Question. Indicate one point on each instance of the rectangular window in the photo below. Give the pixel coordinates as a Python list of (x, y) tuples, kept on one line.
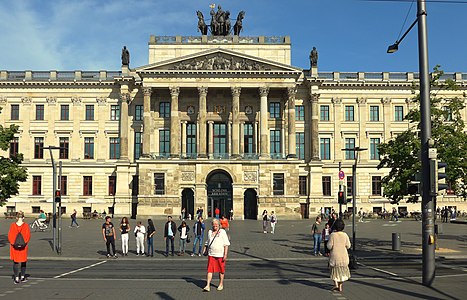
[(374, 143), (376, 185), (191, 140), (248, 138), (39, 112), (349, 113), (326, 180), (87, 185), (39, 148), (36, 185), (139, 109), (278, 184), (325, 148), (164, 110), (164, 142), (300, 145), (64, 112), (299, 113), (374, 113), (89, 112), (324, 113), (159, 183), (89, 148), (138, 144), (114, 148), (447, 114), (274, 110), (64, 147), (64, 185), (14, 112), (398, 113), (220, 139), (349, 186), (14, 147), (112, 185), (349, 144), (36, 209), (115, 112), (275, 144), (302, 185)]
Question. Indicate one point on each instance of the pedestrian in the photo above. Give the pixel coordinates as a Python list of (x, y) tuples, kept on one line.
[(338, 244), (140, 233), (360, 215), (182, 214), (332, 222), (198, 232), (150, 236), (169, 235), (108, 232), (273, 220), (73, 219), (217, 212), (265, 221), (325, 237), (183, 230), (317, 231), (124, 230), (231, 214), (224, 222), (217, 245), (19, 247)]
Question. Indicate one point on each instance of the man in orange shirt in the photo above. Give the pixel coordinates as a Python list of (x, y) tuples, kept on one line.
[(225, 225)]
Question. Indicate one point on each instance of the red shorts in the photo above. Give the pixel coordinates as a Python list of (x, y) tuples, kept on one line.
[(216, 265)]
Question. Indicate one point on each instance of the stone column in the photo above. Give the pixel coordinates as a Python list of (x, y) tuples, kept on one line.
[(125, 99), (184, 145), (338, 116), (263, 92), (147, 122), (386, 118), (362, 138), (235, 152), (203, 92), (314, 126), (242, 134), (174, 123), (211, 138), (291, 91), (255, 138)]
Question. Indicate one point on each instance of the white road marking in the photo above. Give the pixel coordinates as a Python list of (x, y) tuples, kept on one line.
[(380, 270), (80, 269)]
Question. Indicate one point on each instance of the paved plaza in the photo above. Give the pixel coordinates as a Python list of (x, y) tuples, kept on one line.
[(259, 265)]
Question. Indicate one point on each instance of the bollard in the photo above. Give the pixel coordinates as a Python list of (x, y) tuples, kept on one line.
[(438, 228), (396, 241)]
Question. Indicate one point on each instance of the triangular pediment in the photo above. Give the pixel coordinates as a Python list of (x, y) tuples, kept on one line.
[(221, 60)]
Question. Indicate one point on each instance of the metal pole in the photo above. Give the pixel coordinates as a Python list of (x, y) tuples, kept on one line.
[(340, 190), (354, 199), (54, 210), (59, 250), (428, 246)]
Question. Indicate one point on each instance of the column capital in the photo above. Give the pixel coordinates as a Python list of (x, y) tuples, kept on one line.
[(125, 97), (386, 100), (314, 97), (336, 100), (147, 91), (263, 91), (361, 101), (236, 90), (174, 91), (203, 91), (210, 122), (291, 91)]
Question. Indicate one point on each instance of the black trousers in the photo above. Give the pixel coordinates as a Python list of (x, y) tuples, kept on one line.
[(16, 269), (110, 241), (169, 239)]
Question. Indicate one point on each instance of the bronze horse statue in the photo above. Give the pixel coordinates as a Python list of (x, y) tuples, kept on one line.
[(238, 25), (202, 27)]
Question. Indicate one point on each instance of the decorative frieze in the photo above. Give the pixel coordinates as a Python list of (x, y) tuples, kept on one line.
[(386, 100), (101, 101), (219, 62), (51, 100), (188, 176), (26, 100), (361, 101), (248, 110), (336, 101), (3, 100), (249, 176), (76, 100)]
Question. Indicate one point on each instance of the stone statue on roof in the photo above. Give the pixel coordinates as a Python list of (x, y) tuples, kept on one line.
[(125, 56), (314, 57)]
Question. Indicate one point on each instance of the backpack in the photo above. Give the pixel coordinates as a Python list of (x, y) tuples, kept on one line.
[(19, 244)]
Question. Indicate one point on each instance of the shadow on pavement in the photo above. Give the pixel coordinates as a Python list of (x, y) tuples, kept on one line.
[(164, 296), (3, 240)]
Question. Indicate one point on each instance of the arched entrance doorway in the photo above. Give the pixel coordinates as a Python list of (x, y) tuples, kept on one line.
[(188, 202), (219, 193), (250, 204)]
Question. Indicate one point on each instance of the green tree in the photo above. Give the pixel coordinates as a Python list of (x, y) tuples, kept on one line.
[(401, 154), (11, 171)]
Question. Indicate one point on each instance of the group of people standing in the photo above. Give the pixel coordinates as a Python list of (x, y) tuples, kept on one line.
[(336, 244), (269, 221)]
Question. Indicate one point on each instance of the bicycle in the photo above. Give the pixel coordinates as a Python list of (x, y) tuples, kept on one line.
[(36, 225)]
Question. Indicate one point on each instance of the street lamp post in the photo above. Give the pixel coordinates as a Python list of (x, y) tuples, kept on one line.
[(54, 186), (428, 217), (355, 150)]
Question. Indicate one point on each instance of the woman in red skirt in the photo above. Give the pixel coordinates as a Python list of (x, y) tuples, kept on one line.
[(218, 247)]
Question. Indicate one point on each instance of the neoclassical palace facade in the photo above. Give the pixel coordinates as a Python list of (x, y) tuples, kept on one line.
[(211, 121)]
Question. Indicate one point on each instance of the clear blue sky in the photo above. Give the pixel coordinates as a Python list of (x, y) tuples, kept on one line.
[(350, 35)]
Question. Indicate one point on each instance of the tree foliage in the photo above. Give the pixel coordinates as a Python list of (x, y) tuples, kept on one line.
[(11, 171), (402, 154)]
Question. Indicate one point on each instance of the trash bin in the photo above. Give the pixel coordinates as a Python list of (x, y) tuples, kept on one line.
[(396, 241), (438, 228)]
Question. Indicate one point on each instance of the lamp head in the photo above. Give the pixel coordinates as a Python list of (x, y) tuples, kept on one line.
[(393, 48)]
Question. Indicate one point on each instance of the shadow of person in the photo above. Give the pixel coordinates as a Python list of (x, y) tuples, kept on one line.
[(164, 296), (198, 282)]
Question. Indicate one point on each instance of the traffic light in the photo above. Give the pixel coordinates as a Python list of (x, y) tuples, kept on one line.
[(441, 176), (58, 196), (342, 197)]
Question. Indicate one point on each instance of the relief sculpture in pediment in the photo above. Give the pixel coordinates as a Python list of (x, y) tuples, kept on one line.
[(219, 62)]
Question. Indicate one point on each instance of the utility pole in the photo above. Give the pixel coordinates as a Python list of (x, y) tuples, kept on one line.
[(59, 249), (428, 209), (340, 189)]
